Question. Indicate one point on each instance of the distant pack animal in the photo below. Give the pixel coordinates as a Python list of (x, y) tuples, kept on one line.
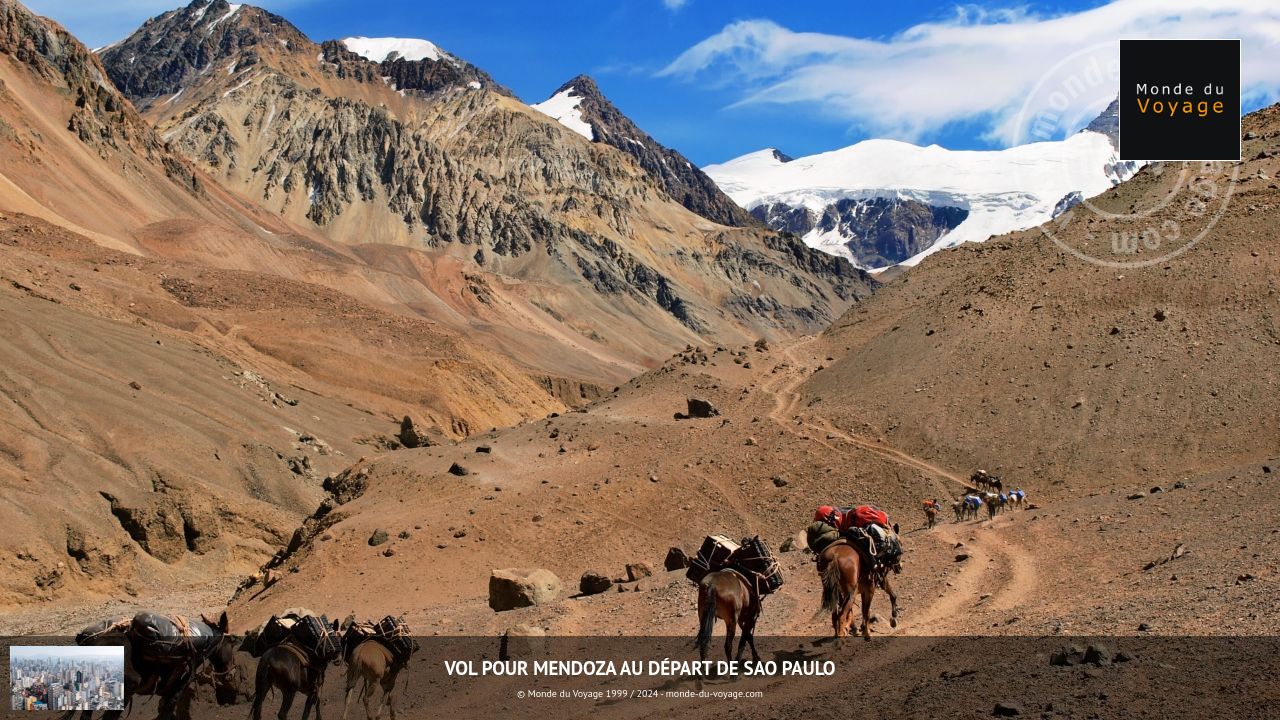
[(982, 480), (992, 501), (1017, 498), (930, 513)]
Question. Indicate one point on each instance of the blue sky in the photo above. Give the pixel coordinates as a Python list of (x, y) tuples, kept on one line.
[(65, 651), (717, 79)]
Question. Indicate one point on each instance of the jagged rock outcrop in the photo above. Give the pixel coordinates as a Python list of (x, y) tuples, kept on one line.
[(784, 218), (426, 75), (678, 177), (102, 119), (881, 231), (1108, 123), (169, 51)]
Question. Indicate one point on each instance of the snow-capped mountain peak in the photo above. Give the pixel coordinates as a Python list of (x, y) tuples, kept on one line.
[(563, 106), (887, 202), (580, 106), (389, 48)]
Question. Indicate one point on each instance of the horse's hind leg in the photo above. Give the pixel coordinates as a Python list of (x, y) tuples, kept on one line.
[(346, 696), (255, 713), (182, 704), (866, 590), (742, 641), (843, 617), (730, 629), (174, 707), (388, 695), (352, 680), (893, 602), (286, 701), (749, 636), (368, 701)]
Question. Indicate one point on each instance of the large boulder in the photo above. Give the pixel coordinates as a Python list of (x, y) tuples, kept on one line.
[(677, 559), (409, 435), (594, 583), (701, 409), (636, 571), (512, 588)]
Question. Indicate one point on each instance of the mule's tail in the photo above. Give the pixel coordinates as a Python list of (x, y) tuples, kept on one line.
[(833, 594), (707, 623)]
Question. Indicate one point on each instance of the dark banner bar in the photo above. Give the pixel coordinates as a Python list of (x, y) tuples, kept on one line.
[(632, 677)]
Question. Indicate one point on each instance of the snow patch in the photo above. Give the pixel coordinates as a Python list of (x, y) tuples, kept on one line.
[(474, 85), (1003, 190), (563, 106), (235, 8), (246, 82), (380, 49)]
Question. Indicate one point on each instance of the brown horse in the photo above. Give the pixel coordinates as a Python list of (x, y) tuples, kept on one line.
[(845, 572), (725, 595), (373, 663), (930, 516), (293, 670)]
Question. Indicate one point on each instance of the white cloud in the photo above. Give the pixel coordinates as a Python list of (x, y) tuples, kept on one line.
[(980, 66), (674, 5)]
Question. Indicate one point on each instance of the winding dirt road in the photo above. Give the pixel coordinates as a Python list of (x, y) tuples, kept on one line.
[(999, 572)]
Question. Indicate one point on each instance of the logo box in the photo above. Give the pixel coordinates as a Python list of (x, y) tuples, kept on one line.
[(1180, 100)]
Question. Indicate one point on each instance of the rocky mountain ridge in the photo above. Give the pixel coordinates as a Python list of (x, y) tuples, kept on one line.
[(576, 233), (102, 118), (681, 179)]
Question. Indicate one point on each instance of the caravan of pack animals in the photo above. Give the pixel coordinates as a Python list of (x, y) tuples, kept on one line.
[(855, 550)]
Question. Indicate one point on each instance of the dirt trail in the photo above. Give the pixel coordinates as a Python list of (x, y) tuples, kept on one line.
[(997, 567), (787, 402)]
